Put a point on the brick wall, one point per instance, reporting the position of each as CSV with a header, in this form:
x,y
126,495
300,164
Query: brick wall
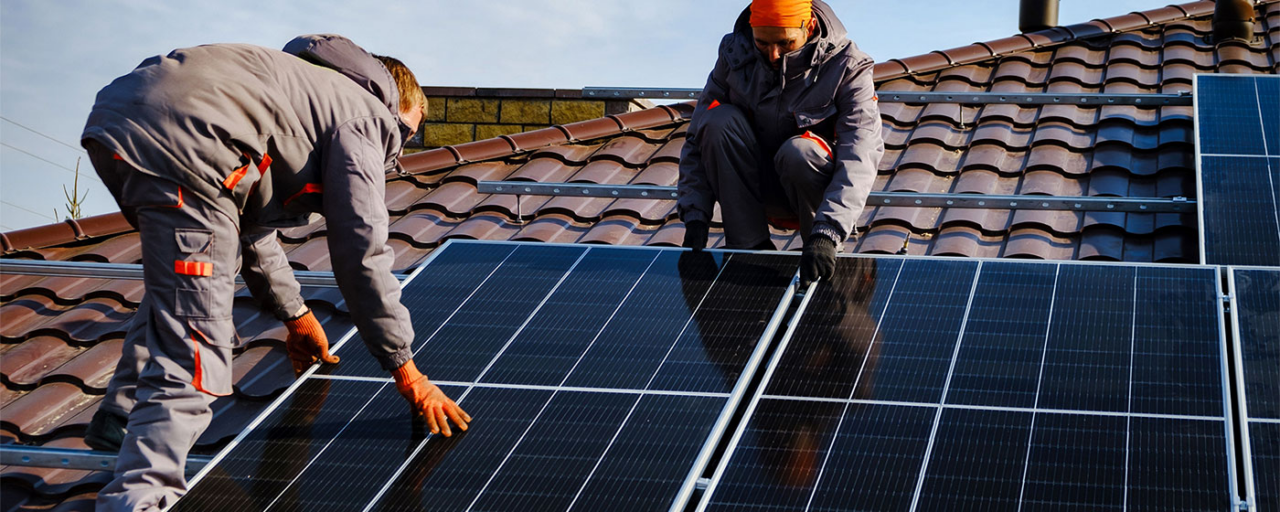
x,y
456,114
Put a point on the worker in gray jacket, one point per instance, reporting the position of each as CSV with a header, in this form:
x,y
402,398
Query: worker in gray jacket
x,y
786,130
207,150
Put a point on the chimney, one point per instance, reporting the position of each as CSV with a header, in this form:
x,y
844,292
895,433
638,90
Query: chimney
x,y
1036,15
1232,21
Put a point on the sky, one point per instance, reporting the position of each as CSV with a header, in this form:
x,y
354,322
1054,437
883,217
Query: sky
x,y
56,54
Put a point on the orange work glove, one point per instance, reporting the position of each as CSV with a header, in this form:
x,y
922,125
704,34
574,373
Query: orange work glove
x,y
307,342
428,400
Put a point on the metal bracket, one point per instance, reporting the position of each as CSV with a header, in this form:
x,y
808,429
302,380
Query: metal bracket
x,y
965,98
702,483
67,458
905,199
130,271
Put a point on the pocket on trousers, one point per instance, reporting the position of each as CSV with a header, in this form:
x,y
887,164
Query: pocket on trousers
x,y
193,241
211,372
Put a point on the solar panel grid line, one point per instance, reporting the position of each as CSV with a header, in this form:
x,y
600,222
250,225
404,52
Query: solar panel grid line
x,y
1028,410
1236,155
755,399
409,460
464,301
1228,408
1044,354
562,381
735,398
1242,404
286,394
937,419
1128,422
656,371
852,392
422,444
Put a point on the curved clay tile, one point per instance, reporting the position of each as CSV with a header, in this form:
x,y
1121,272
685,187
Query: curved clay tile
x,y
485,226
895,137
988,221
593,129
614,230
938,132
648,211
656,135
1083,118
917,180
883,239
1063,134
1079,53
658,173
263,370
602,172
1076,72
1038,244
669,152
400,196
312,255
930,156
483,150
919,219
1002,133
27,363
1105,243
1059,159
1175,245
568,153
1134,54
670,234
92,368
551,229
483,171
628,150
975,74
1021,71
408,256
126,248
457,198
13,285
646,118
428,160
92,320
993,158
535,139
1060,223
581,208
960,241
303,233
985,182
1052,183
1010,113
952,114
544,170
41,411
26,314
424,227
1132,73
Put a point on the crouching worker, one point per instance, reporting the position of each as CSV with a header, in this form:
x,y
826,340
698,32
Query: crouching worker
x,y
207,150
787,129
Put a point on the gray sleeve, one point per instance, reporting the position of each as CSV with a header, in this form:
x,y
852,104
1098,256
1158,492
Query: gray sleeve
x,y
696,201
267,273
355,212
859,147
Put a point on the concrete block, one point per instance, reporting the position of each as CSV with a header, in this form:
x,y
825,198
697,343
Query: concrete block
x,y
467,110
435,135
571,111
526,111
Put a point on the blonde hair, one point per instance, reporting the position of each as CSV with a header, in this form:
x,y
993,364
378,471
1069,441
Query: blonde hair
x,y
410,92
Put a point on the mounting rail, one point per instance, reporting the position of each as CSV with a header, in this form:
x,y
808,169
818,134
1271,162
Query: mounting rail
x,y
67,458
903,199
964,98
129,271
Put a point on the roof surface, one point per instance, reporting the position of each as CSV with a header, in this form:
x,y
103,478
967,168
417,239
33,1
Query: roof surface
x,y
61,336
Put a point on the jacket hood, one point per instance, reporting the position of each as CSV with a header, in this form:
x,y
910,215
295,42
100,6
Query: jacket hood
x,y
832,36
344,56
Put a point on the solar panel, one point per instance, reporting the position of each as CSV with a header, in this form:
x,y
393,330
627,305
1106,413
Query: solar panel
x,y
1238,161
914,384
1256,317
598,377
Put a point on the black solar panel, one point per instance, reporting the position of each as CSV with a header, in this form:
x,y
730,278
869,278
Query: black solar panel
x,y
909,384
1238,149
599,379
1257,315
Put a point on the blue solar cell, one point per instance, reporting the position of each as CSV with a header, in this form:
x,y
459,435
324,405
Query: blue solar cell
x,y
1269,96
1241,216
1257,304
1228,112
1265,443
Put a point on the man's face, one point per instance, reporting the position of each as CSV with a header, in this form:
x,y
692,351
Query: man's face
x,y
774,42
413,118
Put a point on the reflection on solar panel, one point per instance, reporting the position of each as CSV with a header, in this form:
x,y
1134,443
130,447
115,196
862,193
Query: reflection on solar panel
x,y
1256,296
1238,126
909,384
599,379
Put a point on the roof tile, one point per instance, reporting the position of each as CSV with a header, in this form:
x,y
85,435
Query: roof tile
x,y
92,368
27,363
40,412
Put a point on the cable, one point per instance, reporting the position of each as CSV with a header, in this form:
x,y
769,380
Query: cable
x,y
50,162
32,130
25,209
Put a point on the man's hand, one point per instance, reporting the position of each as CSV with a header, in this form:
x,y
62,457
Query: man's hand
x,y
428,400
695,235
818,261
307,342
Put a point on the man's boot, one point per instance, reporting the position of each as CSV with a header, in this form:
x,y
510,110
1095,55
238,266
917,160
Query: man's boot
x,y
106,431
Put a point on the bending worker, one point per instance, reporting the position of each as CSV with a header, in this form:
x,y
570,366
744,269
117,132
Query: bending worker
x,y
207,150
787,128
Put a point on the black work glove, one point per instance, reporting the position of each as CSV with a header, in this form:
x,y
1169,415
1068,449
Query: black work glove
x,y
818,261
695,235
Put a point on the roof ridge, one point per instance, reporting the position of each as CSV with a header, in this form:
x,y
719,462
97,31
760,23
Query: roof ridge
x,y
939,60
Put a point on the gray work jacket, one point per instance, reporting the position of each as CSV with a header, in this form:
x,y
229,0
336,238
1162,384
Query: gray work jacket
x,y
825,87
270,139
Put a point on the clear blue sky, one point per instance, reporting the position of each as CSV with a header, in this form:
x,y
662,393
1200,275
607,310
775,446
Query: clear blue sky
x,y
56,54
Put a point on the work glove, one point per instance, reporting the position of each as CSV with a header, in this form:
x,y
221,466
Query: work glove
x,y
307,343
695,235
428,400
818,261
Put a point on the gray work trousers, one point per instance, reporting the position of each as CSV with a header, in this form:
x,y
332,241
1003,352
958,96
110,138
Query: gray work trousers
x,y
750,189
177,353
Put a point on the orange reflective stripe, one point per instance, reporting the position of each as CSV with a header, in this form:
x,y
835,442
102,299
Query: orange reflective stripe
x,y
197,376
821,143
193,268
310,188
714,104
235,177
265,163
116,156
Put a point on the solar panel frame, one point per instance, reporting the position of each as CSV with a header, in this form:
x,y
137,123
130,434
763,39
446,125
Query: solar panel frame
x,y
1228,448
1270,154
1247,421
708,445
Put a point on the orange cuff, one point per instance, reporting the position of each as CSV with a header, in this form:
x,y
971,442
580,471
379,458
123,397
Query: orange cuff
x,y
406,375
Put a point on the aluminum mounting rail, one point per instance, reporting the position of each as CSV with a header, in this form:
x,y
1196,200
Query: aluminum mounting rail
x,y
964,98
906,199
67,458
129,271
